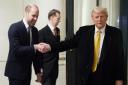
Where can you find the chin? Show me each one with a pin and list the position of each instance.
(32, 24)
(100, 26)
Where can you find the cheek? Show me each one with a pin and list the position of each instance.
(55, 20)
(96, 21)
(30, 18)
(33, 19)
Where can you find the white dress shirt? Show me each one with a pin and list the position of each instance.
(52, 28)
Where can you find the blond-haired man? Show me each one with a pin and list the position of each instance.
(99, 50)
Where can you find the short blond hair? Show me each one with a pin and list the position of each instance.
(100, 9)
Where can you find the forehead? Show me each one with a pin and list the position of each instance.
(56, 15)
(99, 13)
(34, 10)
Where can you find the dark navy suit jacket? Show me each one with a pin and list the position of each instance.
(49, 61)
(21, 54)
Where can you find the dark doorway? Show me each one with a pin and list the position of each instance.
(124, 27)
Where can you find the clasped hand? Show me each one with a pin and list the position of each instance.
(42, 47)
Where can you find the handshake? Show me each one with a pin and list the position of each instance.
(42, 47)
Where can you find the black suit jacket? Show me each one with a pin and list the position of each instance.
(110, 66)
(21, 54)
(49, 61)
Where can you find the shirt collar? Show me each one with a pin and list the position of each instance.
(25, 23)
(50, 25)
(102, 30)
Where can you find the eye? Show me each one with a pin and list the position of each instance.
(35, 16)
(97, 17)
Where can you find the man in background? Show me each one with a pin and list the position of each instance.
(24, 48)
(50, 34)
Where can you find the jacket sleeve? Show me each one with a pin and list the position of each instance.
(15, 42)
(68, 44)
(120, 64)
(37, 63)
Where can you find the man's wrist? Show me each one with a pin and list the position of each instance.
(35, 46)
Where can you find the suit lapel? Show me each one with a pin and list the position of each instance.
(49, 31)
(23, 28)
(24, 32)
(105, 45)
(92, 31)
(90, 44)
(51, 34)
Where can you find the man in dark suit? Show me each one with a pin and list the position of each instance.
(50, 34)
(24, 48)
(109, 65)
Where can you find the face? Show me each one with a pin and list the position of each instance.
(55, 19)
(32, 16)
(99, 19)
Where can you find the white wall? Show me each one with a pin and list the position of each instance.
(82, 12)
(10, 11)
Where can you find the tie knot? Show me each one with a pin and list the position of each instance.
(98, 31)
(29, 29)
(55, 31)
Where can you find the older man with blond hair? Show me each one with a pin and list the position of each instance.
(99, 50)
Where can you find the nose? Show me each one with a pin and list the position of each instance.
(99, 18)
(35, 18)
